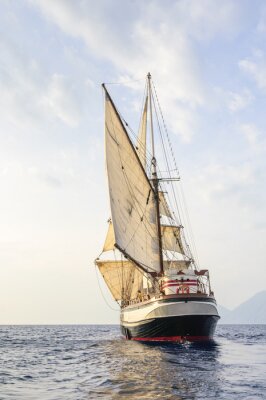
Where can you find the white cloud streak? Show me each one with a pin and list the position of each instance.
(61, 100)
(240, 101)
(29, 94)
(251, 133)
(256, 69)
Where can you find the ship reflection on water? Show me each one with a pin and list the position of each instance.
(168, 371)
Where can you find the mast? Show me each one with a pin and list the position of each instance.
(155, 180)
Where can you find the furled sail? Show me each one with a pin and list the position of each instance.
(171, 238)
(142, 137)
(109, 243)
(122, 278)
(131, 195)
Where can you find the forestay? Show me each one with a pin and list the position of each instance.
(131, 195)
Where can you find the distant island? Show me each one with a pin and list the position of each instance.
(252, 311)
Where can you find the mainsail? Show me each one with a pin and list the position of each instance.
(131, 195)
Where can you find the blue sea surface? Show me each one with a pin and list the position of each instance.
(93, 362)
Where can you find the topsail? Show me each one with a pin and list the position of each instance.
(142, 138)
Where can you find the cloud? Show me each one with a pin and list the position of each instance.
(239, 101)
(197, 18)
(251, 133)
(31, 96)
(151, 37)
(217, 181)
(60, 100)
(256, 140)
(261, 26)
(256, 69)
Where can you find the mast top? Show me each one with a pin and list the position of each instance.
(149, 75)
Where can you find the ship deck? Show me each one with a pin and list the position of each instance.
(169, 298)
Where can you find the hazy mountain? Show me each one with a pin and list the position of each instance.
(223, 312)
(252, 311)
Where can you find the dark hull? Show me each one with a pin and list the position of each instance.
(177, 328)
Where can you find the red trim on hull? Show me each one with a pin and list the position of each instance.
(179, 339)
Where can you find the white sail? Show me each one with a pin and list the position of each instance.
(109, 243)
(131, 195)
(142, 137)
(122, 278)
(164, 208)
(171, 238)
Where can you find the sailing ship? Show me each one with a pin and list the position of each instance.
(146, 260)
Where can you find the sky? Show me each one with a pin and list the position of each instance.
(208, 62)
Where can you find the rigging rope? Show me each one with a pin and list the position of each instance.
(141, 213)
(106, 302)
(190, 232)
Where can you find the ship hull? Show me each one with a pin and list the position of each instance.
(171, 320)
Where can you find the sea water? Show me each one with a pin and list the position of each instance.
(94, 362)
